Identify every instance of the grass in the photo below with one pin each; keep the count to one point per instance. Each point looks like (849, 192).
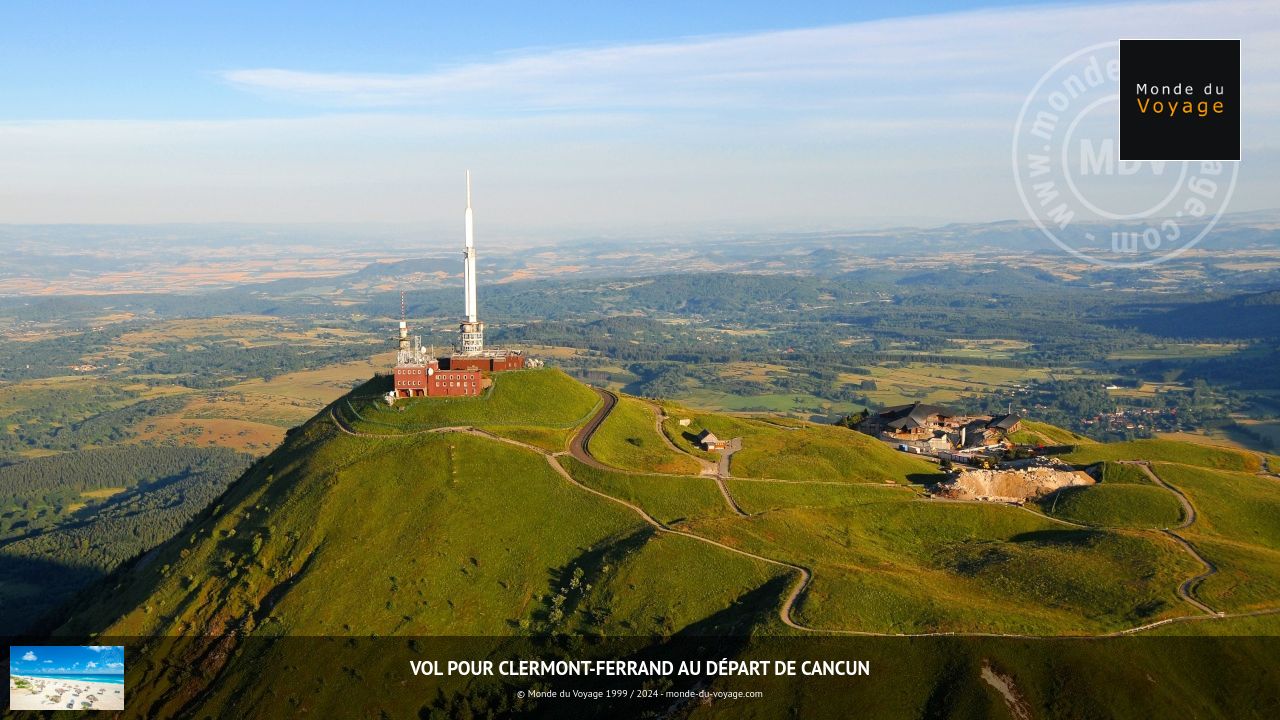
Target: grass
(454, 534)
(756, 496)
(1115, 473)
(628, 439)
(544, 398)
(549, 439)
(413, 560)
(1166, 451)
(807, 452)
(1115, 505)
(1036, 433)
(885, 561)
(1239, 507)
(1238, 529)
(424, 535)
(668, 499)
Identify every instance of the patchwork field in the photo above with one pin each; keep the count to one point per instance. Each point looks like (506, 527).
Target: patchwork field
(244, 435)
(899, 383)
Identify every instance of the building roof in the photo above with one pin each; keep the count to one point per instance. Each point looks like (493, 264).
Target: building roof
(706, 436)
(907, 417)
(1004, 422)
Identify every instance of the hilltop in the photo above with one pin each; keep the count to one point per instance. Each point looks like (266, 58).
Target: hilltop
(544, 507)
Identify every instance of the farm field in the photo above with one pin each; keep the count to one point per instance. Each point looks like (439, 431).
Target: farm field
(900, 383)
(797, 403)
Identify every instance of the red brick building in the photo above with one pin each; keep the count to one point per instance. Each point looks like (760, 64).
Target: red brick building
(428, 380)
(490, 361)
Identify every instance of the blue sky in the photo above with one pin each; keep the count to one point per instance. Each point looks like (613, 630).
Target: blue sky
(140, 60)
(574, 117)
(88, 659)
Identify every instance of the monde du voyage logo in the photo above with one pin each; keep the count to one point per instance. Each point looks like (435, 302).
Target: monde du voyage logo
(1125, 152)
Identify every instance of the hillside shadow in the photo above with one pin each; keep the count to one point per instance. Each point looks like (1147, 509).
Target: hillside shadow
(35, 591)
(591, 564)
(926, 478)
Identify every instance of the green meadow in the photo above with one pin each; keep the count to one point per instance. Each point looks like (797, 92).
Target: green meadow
(801, 451)
(1166, 451)
(543, 398)
(627, 439)
(1118, 505)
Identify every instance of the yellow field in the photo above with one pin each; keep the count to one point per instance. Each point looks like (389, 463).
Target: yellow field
(246, 330)
(101, 493)
(752, 371)
(993, 347)
(253, 415)
(252, 437)
(1147, 390)
(938, 383)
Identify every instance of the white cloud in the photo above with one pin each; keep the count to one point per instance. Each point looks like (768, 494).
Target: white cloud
(29, 656)
(47, 662)
(115, 665)
(91, 664)
(100, 648)
(955, 59)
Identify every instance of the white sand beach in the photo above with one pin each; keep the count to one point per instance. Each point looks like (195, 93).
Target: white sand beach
(38, 693)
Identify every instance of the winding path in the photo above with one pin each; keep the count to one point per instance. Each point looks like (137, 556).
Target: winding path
(579, 449)
(722, 469)
(1188, 586)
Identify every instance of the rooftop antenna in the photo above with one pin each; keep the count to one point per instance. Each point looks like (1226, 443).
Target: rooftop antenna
(402, 317)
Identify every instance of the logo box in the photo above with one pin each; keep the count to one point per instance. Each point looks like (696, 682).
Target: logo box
(1180, 100)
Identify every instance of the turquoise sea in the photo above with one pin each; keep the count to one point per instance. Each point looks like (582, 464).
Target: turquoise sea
(72, 677)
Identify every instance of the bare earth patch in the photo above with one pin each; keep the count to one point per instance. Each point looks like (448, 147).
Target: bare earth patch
(1012, 486)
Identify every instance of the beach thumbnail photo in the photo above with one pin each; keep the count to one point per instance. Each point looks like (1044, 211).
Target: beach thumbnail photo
(66, 677)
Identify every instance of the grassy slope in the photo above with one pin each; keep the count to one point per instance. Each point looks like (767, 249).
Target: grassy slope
(1114, 473)
(1116, 505)
(1238, 529)
(1033, 433)
(809, 452)
(412, 560)
(668, 499)
(628, 439)
(883, 560)
(1166, 451)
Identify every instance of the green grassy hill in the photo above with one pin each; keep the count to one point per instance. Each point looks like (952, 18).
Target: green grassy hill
(367, 524)
(627, 440)
(539, 406)
(1118, 505)
(796, 450)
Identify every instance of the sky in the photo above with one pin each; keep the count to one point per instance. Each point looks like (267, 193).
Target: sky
(77, 659)
(574, 118)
